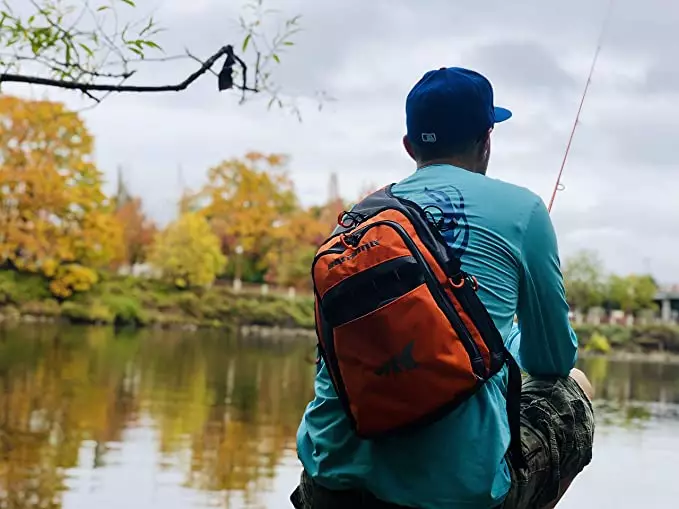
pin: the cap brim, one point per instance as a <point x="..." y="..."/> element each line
<point x="502" y="114"/>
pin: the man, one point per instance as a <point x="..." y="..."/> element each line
<point x="504" y="237"/>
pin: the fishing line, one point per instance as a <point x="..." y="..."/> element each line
<point x="559" y="186"/>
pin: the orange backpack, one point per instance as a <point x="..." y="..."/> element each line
<point x="400" y="328"/>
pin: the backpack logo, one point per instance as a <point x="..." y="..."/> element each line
<point x="353" y="254"/>
<point x="403" y="361"/>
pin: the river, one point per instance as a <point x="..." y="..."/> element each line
<point x="201" y="420"/>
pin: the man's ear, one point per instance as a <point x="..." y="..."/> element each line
<point x="485" y="145"/>
<point x="409" y="148"/>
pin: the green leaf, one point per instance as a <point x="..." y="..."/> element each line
<point x="275" y="57"/>
<point x="87" y="49"/>
<point x="151" y="44"/>
<point x="246" y="41"/>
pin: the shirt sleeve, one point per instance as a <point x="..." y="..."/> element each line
<point x="548" y="344"/>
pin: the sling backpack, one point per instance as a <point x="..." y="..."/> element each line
<point x="400" y="327"/>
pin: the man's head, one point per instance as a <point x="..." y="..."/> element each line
<point x="450" y="115"/>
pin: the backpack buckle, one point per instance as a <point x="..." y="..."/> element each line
<point x="349" y="219"/>
<point x="349" y="241"/>
<point x="464" y="278"/>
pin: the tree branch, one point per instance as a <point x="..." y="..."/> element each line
<point x="100" y="87"/>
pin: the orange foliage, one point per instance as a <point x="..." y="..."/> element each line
<point x="296" y="241"/>
<point x="138" y="231"/>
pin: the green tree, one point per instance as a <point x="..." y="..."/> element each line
<point x="82" y="45"/>
<point x="584" y="280"/>
<point x="632" y="293"/>
<point x="188" y="253"/>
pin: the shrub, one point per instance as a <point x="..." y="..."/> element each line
<point x="41" y="308"/>
<point x="17" y="288"/>
<point x="125" y="310"/>
<point x="93" y="312"/>
<point x="72" y="278"/>
<point x="598" y="343"/>
<point x="190" y="304"/>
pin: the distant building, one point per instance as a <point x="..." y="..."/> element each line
<point x="122" y="195"/>
<point x="668" y="301"/>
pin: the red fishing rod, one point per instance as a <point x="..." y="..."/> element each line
<point x="559" y="186"/>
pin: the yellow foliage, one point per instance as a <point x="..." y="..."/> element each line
<point x="72" y="278"/>
<point x="188" y="253"/>
<point x="246" y="199"/>
<point x="53" y="211"/>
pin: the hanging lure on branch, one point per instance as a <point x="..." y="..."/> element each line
<point x="558" y="186"/>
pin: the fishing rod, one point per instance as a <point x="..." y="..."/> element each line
<point x="559" y="186"/>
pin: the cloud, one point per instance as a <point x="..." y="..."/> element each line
<point x="523" y="65"/>
<point x="620" y="196"/>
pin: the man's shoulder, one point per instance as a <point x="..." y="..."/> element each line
<point x="513" y="192"/>
<point x="493" y="188"/>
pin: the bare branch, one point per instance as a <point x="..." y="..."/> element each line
<point x="193" y="57"/>
<point x="100" y="87"/>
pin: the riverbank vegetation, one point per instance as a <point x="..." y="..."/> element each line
<point x="638" y="339"/>
<point x="134" y="302"/>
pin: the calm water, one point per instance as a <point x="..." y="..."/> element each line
<point x="179" y="420"/>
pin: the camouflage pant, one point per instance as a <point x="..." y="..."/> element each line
<point x="557" y="430"/>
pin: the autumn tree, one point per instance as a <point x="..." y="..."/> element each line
<point x="296" y="239"/>
<point x="54" y="216"/>
<point x="188" y="253"/>
<point x="245" y="200"/>
<point x="97" y="46"/>
<point x="138" y="231"/>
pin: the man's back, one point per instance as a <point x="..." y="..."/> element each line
<point x="503" y="235"/>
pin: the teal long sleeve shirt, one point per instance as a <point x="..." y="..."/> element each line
<point x="504" y="236"/>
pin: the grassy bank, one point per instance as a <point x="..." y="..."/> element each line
<point x="636" y="340"/>
<point x="142" y="303"/>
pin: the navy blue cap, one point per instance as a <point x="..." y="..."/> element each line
<point x="451" y="105"/>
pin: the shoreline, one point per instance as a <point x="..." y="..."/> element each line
<point x="247" y="330"/>
<point x="627" y="356"/>
<point x="276" y="333"/>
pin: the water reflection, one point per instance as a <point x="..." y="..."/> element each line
<point x="185" y="420"/>
<point x="631" y="393"/>
<point x="72" y="400"/>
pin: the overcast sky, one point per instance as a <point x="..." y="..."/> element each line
<point x="622" y="195"/>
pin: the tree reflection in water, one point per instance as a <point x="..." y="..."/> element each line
<point x="225" y="413"/>
<point x="218" y="415"/>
